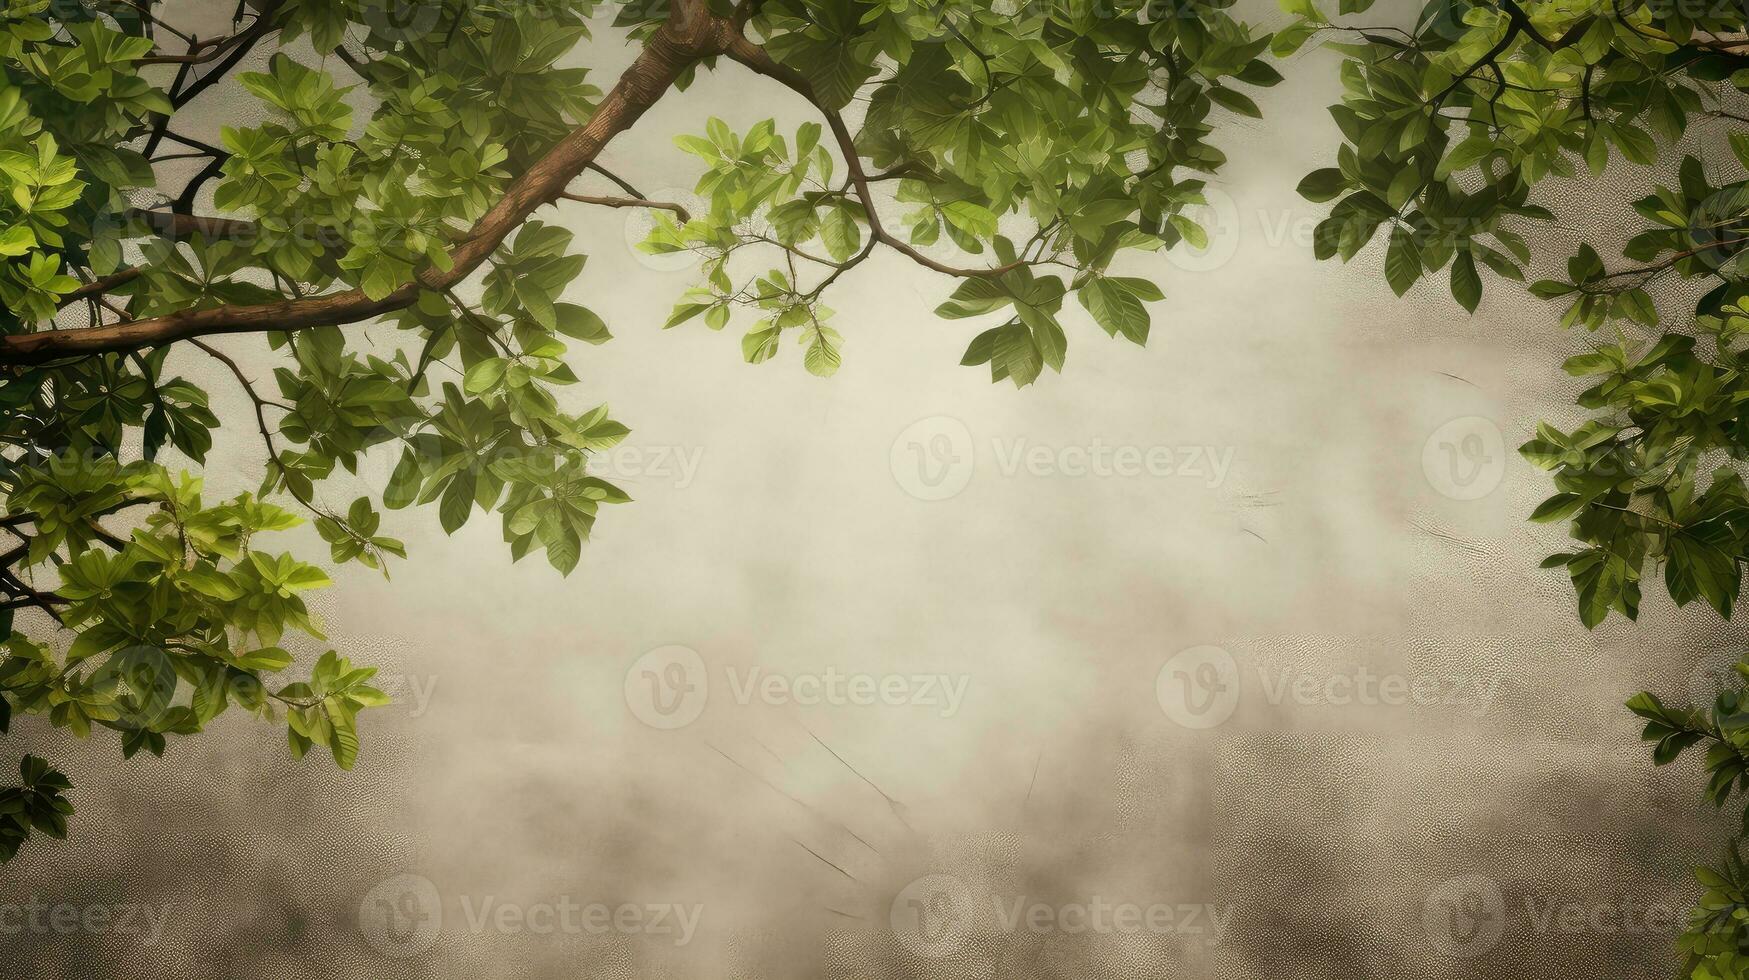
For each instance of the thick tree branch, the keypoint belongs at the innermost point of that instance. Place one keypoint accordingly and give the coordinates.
(690, 34)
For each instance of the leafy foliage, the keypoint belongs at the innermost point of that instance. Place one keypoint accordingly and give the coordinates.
(1450, 124)
(393, 178)
(36, 804)
(1088, 123)
(1716, 941)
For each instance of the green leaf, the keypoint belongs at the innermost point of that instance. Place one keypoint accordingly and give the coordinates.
(1047, 337)
(1646, 705)
(1740, 146)
(1466, 283)
(564, 550)
(484, 375)
(581, 324)
(684, 312)
(456, 503)
(1604, 581)
(1291, 38)
(1116, 306)
(1234, 101)
(1697, 569)
(1559, 507)
(841, 233)
(760, 345)
(1402, 260)
(266, 658)
(822, 358)
(1323, 185)
(974, 297)
(344, 739)
(973, 219)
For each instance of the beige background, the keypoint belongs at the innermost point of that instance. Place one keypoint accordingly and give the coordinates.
(1329, 839)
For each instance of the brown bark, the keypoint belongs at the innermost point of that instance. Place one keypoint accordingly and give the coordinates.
(690, 34)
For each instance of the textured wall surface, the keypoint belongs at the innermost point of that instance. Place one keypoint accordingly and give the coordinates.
(1302, 707)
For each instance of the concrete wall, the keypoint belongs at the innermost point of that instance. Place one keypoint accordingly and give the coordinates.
(1402, 758)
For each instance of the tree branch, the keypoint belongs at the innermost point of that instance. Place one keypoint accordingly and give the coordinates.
(27, 596)
(690, 34)
(237, 52)
(628, 202)
(755, 57)
(100, 287)
(176, 224)
(171, 224)
(617, 180)
(200, 52)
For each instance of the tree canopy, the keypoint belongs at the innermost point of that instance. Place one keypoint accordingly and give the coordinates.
(405, 165)
(1450, 123)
